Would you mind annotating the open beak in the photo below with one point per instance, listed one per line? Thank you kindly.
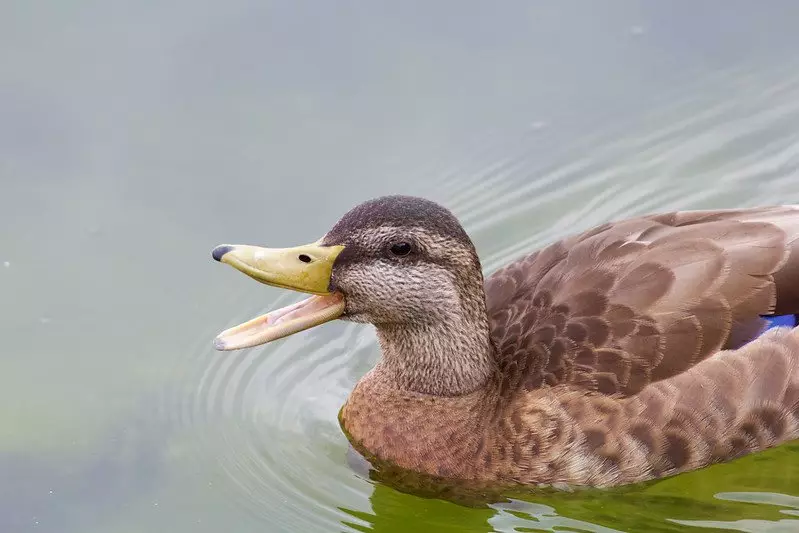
(304, 268)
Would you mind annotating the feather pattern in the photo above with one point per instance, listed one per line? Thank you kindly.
(628, 304)
(631, 351)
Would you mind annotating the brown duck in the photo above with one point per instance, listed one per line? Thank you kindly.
(629, 352)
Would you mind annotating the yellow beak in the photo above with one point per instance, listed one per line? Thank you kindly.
(303, 268)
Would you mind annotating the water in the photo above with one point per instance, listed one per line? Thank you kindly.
(135, 137)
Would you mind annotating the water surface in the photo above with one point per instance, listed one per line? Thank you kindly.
(135, 137)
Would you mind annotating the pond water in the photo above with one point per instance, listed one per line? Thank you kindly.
(136, 136)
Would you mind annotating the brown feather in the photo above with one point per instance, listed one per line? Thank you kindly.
(698, 280)
(625, 353)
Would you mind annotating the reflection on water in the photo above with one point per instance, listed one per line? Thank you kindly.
(790, 504)
(123, 166)
(527, 516)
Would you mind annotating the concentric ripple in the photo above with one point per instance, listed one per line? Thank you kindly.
(266, 418)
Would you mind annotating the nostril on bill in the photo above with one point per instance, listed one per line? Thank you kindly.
(304, 258)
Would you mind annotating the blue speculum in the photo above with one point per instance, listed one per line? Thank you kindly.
(780, 321)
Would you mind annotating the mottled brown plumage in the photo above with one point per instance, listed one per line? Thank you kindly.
(629, 352)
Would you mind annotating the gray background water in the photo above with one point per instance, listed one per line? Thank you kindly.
(135, 136)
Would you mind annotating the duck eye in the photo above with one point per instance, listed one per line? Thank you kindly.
(401, 248)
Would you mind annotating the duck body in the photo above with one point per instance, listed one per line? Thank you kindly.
(629, 352)
(563, 435)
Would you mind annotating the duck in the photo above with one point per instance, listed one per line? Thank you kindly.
(632, 351)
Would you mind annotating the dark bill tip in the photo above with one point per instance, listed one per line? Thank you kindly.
(219, 251)
(219, 344)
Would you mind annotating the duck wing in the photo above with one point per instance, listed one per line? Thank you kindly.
(638, 301)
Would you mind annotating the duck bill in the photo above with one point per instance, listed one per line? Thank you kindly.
(305, 269)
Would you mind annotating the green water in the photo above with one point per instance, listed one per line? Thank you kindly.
(135, 136)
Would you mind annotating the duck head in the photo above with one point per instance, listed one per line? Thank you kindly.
(397, 262)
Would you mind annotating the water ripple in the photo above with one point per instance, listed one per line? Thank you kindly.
(268, 416)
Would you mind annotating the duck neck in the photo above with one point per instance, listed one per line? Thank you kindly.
(450, 356)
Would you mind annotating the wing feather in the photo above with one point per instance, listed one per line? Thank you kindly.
(642, 300)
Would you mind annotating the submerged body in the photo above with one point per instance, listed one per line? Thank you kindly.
(629, 352)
